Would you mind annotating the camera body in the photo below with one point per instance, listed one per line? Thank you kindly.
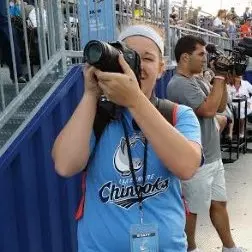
(239, 55)
(104, 56)
(240, 61)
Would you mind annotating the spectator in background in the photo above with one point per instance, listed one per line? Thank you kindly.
(174, 12)
(239, 88)
(15, 8)
(246, 28)
(246, 14)
(231, 27)
(5, 44)
(232, 11)
(31, 27)
(206, 191)
(219, 23)
(174, 16)
(225, 17)
(194, 16)
(31, 18)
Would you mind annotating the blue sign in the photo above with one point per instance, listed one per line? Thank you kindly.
(97, 20)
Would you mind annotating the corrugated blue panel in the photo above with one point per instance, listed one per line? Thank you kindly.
(163, 82)
(248, 76)
(36, 205)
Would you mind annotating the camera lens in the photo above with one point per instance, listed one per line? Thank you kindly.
(102, 55)
(93, 52)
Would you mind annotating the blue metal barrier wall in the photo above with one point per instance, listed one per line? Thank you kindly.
(248, 76)
(36, 205)
(162, 83)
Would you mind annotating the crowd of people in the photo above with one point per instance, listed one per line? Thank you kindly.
(226, 23)
(16, 17)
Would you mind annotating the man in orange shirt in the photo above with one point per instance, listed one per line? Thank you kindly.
(246, 28)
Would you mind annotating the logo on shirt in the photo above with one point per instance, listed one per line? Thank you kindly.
(125, 194)
(121, 158)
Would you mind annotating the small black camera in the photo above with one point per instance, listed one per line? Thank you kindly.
(104, 56)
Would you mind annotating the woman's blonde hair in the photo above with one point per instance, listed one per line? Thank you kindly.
(220, 12)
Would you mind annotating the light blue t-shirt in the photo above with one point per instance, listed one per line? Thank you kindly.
(111, 204)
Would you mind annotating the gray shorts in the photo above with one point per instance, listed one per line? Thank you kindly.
(206, 185)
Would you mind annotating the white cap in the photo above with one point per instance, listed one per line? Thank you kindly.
(145, 31)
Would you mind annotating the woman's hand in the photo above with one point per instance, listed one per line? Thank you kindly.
(120, 88)
(91, 83)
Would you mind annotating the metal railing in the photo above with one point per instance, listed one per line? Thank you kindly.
(32, 39)
(200, 29)
(209, 37)
(49, 36)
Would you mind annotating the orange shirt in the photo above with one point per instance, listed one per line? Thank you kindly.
(245, 30)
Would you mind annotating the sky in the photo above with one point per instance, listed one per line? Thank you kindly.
(212, 6)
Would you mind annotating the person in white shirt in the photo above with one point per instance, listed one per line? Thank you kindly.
(246, 14)
(218, 23)
(239, 88)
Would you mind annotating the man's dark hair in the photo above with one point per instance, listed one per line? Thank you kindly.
(187, 44)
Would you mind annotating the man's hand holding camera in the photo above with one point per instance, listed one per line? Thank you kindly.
(120, 88)
(222, 65)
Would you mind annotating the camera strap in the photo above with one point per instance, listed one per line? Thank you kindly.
(138, 188)
(167, 108)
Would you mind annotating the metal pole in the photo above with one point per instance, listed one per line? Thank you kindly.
(51, 28)
(70, 43)
(120, 14)
(27, 53)
(58, 7)
(12, 49)
(2, 93)
(39, 34)
(183, 9)
(43, 26)
(96, 18)
(167, 31)
(76, 29)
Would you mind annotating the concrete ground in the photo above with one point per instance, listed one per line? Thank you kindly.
(239, 187)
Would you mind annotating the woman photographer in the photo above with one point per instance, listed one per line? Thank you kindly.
(133, 198)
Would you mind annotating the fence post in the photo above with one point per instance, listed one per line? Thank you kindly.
(12, 48)
(167, 31)
(59, 27)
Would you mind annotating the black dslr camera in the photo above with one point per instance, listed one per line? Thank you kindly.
(239, 55)
(104, 56)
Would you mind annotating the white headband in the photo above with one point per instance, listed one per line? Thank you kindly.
(145, 31)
